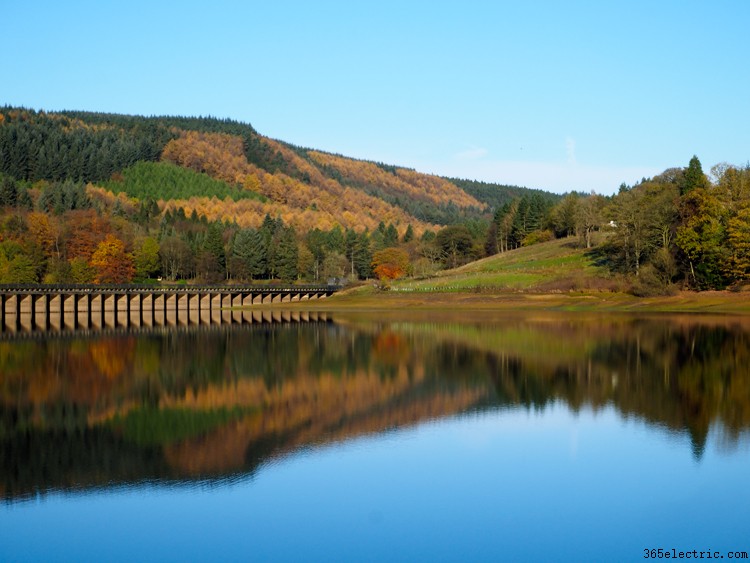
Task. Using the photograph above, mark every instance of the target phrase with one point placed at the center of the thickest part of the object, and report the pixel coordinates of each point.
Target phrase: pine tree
(390, 239)
(409, 234)
(287, 254)
(363, 256)
(8, 192)
(694, 177)
(214, 244)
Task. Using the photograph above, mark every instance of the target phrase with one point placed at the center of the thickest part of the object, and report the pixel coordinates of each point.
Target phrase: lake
(378, 437)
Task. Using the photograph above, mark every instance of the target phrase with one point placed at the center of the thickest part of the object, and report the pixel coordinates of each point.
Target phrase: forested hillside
(103, 198)
(679, 229)
(90, 197)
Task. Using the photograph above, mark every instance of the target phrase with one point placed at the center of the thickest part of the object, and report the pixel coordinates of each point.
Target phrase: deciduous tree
(111, 262)
(390, 263)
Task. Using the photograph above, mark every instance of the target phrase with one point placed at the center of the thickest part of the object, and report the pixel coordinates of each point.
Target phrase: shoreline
(368, 299)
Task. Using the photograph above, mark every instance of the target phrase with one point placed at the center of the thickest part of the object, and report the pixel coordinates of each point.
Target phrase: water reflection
(198, 405)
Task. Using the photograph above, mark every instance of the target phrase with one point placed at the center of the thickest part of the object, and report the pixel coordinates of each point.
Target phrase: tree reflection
(77, 413)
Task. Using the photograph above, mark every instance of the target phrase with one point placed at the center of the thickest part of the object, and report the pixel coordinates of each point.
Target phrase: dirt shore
(368, 299)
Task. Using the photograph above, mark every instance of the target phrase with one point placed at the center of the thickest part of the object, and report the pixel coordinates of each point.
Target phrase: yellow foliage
(222, 156)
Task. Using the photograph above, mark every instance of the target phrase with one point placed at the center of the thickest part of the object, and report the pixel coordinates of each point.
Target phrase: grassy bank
(553, 276)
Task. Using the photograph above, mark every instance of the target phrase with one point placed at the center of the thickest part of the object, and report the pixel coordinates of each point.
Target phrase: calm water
(460, 438)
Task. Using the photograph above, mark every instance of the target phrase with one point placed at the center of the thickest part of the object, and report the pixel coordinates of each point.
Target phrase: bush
(536, 237)
(651, 283)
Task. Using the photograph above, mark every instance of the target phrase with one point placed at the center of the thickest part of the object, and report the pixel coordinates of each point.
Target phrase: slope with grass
(554, 266)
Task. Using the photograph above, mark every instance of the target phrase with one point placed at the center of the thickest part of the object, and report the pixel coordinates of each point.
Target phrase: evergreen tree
(8, 192)
(250, 250)
(335, 240)
(287, 254)
(268, 233)
(694, 177)
(363, 256)
(214, 244)
(409, 234)
(390, 238)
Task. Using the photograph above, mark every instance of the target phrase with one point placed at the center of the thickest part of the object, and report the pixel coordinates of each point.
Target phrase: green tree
(455, 242)
(737, 267)
(408, 235)
(363, 256)
(287, 256)
(146, 257)
(563, 216)
(15, 265)
(8, 192)
(694, 177)
(645, 217)
(700, 238)
(390, 238)
(214, 243)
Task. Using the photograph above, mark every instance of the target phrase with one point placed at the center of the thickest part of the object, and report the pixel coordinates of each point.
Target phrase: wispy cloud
(473, 153)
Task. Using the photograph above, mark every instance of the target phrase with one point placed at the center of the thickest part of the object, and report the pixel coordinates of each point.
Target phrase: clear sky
(553, 95)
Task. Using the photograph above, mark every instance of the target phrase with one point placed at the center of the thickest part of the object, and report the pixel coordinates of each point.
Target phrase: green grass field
(552, 266)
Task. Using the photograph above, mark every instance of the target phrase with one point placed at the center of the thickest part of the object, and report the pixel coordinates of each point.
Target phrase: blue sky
(553, 95)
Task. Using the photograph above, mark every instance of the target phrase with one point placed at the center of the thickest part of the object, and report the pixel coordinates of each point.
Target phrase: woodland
(105, 198)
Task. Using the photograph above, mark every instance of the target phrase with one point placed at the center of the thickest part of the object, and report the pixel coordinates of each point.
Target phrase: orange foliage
(86, 230)
(112, 263)
(416, 185)
(108, 357)
(44, 231)
(219, 155)
(110, 199)
(390, 263)
(320, 202)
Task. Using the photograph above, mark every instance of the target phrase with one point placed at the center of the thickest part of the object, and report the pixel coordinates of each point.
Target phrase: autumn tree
(390, 263)
(45, 232)
(84, 230)
(111, 262)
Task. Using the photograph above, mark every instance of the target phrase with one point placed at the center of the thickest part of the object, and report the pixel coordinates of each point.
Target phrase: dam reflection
(104, 315)
(28, 309)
